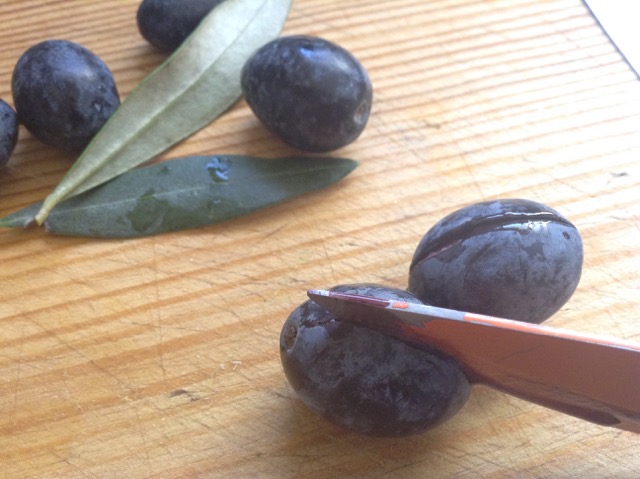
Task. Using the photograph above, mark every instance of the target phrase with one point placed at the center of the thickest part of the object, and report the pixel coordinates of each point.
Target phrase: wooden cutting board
(158, 357)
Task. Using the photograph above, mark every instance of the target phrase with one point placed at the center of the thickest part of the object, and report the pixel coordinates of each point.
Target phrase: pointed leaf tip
(23, 218)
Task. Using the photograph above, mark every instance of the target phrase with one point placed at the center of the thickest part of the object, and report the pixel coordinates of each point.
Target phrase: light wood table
(158, 357)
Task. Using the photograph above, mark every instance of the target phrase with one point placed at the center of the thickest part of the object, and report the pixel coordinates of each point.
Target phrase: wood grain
(158, 357)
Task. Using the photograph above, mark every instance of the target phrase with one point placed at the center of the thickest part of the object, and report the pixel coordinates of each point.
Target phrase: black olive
(165, 24)
(510, 258)
(366, 381)
(63, 93)
(8, 132)
(313, 94)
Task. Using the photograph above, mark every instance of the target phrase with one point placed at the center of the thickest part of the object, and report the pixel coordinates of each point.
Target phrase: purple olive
(165, 24)
(311, 93)
(510, 258)
(8, 132)
(63, 93)
(366, 381)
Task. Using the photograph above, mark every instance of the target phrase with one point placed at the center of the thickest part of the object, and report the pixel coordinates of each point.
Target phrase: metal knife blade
(586, 376)
(619, 20)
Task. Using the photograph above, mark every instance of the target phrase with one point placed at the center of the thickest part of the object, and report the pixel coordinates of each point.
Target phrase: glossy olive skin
(165, 24)
(311, 93)
(510, 258)
(8, 132)
(63, 93)
(363, 380)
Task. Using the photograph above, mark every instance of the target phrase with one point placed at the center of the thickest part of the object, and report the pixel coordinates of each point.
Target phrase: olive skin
(311, 93)
(165, 24)
(510, 258)
(63, 93)
(366, 381)
(8, 132)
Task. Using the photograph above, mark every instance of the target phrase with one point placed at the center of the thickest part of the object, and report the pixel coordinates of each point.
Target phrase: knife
(619, 20)
(586, 376)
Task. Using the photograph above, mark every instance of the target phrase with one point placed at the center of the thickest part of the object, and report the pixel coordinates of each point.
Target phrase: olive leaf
(190, 89)
(185, 193)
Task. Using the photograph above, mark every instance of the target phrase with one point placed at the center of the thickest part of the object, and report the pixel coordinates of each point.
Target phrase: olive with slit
(366, 381)
(511, 258)
(311, 93)
(165, 24)
(63, 93)
(8, 132)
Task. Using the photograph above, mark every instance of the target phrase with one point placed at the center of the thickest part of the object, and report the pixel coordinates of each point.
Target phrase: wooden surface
(158, 357)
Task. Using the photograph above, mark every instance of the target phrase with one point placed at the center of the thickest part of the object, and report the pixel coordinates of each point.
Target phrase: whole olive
(313, 94)
(165, 24)
(63, 93)
(8, 132)
(510, 258)
(366, 381)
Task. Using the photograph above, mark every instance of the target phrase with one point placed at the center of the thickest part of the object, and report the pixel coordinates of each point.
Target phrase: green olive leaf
(185, 193)
(196, 84)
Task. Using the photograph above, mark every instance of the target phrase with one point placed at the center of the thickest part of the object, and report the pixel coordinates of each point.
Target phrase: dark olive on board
(511, 258)
(311, 93)
(366, 381)
(8, 132)
(63, 93)
(165, 24)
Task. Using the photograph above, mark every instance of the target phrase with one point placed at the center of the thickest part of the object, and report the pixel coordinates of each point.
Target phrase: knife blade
(619, 20)
(587, 376)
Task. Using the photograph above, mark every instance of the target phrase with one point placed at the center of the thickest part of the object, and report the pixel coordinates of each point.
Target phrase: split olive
(165, 24)
(510, 258)
(63, 93)
(364, 380)
(311, 93)
(8, 132)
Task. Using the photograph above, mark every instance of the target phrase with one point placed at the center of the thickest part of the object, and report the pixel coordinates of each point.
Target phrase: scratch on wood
(184, 392)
